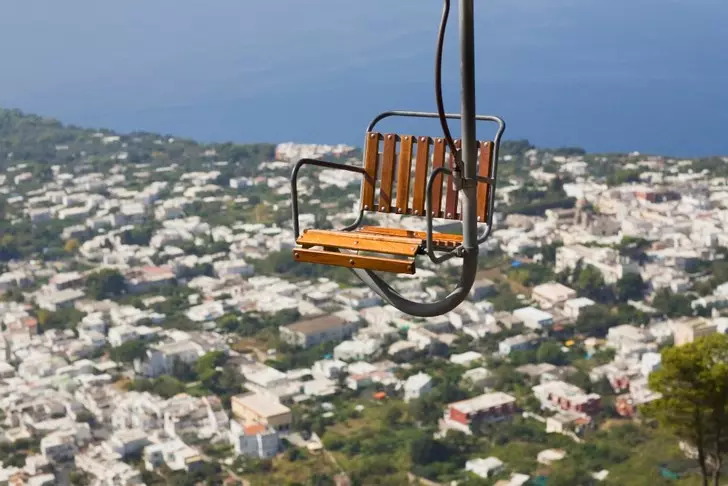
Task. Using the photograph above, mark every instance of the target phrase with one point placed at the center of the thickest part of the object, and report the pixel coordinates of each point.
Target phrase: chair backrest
(394, 185)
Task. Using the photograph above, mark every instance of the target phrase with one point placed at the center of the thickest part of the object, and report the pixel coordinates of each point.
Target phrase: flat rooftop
(317, 325)
(261, 405)
(483, 402)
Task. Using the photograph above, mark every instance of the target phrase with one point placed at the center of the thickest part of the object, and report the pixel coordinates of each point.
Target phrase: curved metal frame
(327, 165)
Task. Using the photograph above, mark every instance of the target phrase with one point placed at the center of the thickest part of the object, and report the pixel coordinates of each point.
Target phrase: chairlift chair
(404, 174)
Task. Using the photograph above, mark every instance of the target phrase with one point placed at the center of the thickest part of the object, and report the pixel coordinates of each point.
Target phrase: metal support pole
(469, 143)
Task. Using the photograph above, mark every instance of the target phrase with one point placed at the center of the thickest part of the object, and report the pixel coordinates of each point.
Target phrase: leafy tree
(139, 235)
(634, 248)
(595, 320)
(105, 283)
(549, 252)
(531, 274)
(570, 474)
(516, 147)
(693, 381)
(423, 450)
(61, 319)
(228, 322)
(12, 295)
(604, 356)
(590, 283)
(671, 304)
(84, 416)
(623, 177)
(626, 314)
(129, 351)
(210, 361)
(630, 287)
(71, 245)
(393, 415)
(183, 371)
(556, 186)
(79, 478)
(164, 386)
(425, 409)
(522, 357)
(550, 352)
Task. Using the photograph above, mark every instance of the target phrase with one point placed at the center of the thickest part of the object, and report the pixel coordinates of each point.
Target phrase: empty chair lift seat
(395, 175)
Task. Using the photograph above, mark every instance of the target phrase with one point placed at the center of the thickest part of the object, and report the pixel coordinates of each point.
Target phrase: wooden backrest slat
(404, 169)
(371, 160)
(389, 157)
(421, 166)
(486, 159)
(438, 161)
(451, 198)
(394, 166)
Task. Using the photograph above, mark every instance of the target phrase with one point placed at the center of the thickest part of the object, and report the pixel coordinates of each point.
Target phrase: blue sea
(616, 75)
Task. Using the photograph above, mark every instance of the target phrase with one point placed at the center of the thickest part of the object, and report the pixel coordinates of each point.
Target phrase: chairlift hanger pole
(469, 189)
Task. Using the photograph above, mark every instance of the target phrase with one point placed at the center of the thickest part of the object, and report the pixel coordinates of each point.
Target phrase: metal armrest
(327, 165)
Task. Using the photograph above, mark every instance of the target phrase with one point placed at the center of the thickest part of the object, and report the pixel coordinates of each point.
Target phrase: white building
(574, 307)
(467, 358)
(416, 386)
(55, 300)
(119, 335)
(228, 268)
(534, 318)
(552, 294)
(606, 260)
(485, 468)
(650, 362)
(328, 368)
(58, 447)
(175, 454)
(254, 440)
(359, 349)
(521, 342)
(128, 441)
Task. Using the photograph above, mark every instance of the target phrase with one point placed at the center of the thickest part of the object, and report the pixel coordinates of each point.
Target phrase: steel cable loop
(438, 85)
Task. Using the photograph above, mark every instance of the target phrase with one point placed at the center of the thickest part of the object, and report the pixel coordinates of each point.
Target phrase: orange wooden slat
(354, 261)
(389, 157)
(423, 161)
(372, 235)
(486, 159)
(440, 239)
(371, 160)
(451, 197)
(404, 168)
(438, 161)
(360, 241)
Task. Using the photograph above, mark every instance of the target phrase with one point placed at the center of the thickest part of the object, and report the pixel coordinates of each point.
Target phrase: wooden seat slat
(361, 241)
(354, 261)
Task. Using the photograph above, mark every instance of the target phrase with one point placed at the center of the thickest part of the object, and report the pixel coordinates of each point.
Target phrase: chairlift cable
(438, 77)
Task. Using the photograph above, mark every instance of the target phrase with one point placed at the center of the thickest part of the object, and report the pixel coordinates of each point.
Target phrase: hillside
(44, 141)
